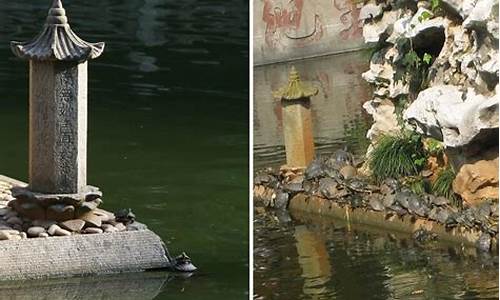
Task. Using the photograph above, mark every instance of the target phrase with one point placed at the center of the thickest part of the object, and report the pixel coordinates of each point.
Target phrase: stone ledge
(81, 255)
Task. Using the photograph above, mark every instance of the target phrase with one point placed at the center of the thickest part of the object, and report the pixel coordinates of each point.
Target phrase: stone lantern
(58, 58)
(297, 124)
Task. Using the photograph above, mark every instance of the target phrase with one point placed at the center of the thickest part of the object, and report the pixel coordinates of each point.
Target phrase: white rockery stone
(373, 32)
(456, 117)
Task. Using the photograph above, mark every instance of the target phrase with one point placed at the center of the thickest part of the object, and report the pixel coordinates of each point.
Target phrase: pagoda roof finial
(295, 89)
(57, 42)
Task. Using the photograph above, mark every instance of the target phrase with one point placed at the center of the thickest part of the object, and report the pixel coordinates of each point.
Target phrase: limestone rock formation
(477, 181)
(456, 117)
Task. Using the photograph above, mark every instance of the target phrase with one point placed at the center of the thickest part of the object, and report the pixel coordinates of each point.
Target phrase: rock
(60, 212)
(91, 219)
(376, 204)
(109, 228)
(376, 32)
(348, 172)
(53, 228)
(73, 225)
(4, 211)
(424, 31)
(43, 223)
(481, 13)
(43, 235)
(93, 230)
(460, 7)
(445, 113)
(89, 205)
(31, 210)
(384, 118)
(14, 221)
(6, 234)
(136, 226)
(370, 11)
(120, 227)
(477, 181)
(61, 232)
(35, 231)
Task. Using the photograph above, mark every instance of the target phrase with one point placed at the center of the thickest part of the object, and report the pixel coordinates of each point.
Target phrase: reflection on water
(337, 112)
(168, 123)
(131, 286)
(316, 258)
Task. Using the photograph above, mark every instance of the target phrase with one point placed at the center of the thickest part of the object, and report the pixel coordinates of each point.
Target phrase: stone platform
(57, 251)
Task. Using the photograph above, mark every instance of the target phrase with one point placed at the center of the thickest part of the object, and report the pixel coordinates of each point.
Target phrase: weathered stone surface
(35, 231)
(91, 219)
(73, 225)
(446, 113)
(477, 181)
(93, 230)
(60, 212)
(93, 254)
(53, 228)
(384, 118)
(370, 10)
(481, 13)
(374, 32)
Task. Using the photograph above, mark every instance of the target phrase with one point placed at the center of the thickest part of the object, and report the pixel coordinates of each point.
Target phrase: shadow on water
(168, 123)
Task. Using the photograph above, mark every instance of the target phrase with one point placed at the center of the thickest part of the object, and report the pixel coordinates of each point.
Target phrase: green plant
(396, 156)
(355, 134)
(443, 186)
(412, 68)
(417, 184)
(434, 147)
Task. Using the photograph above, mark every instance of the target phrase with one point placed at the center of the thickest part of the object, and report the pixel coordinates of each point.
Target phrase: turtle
(263, 179)
(315, 169)
(339, 159)
(293, 187)
(433, 213)
(359, 185)
(417, 206)
(389, 200)
(389, 186)
(494, 209)
(182, 263)
(328, 188)
(125, 216)
(310, 187)
(281, 200)
(440, 201)
(355, 201)
(376, 204)
(402, 198)
(335, 174)
(442, 215)
(398, 209)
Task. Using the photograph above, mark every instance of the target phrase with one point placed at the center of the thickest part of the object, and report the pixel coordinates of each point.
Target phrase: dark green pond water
(168, 124)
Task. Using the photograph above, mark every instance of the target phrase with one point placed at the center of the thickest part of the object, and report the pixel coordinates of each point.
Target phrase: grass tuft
(396, 156)
(443, 186)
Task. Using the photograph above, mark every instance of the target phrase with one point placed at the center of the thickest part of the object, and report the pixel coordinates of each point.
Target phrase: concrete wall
(342, 91)
(293, 29)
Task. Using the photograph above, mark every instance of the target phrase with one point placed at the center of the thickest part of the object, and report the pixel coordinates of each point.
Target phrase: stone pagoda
(58, 58)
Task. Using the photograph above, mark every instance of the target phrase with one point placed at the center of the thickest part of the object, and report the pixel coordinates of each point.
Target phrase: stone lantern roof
(57, 42)
(295, 89)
